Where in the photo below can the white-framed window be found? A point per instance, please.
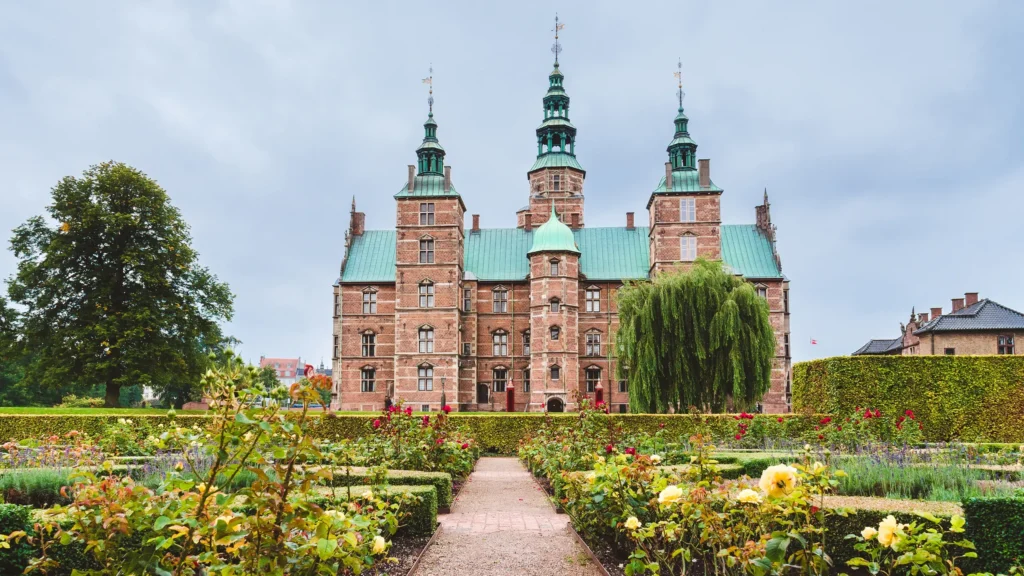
(426, 339)
(425, 380)
(556, 372)
(592, 376)
(369, 302)
(500, 342)
(593, 347)
(687, 209)
(526, 342)
(1004, 344)
(427, 295)
(555, 332)
(467, 299)
(526, 380)
(426, 213)
(369, 344)
(688, 248)
(427, 251)
(500, 300)
(555, 305)
(554, 267)
(500, 377)
(368, 380)
(593, 299)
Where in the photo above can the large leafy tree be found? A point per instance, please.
(700, 338)
(111, 288)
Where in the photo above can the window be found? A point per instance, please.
(526, 342)
(368, 380)
(622, 408)
(785, 341)
(425, 382)
(424, 407)
(427, 251)
(949, 351)
(500, 379)
(556, 372)
(467, 349)
(593, 344)
(622, 386)
(335, 347)
(500, 341)
(688, 248)
(369, 302)
(500, 303)
(593, 377)
(467, 299)
(426, 295)
(556, 182)
(555, 305)
(526, 380)
(593, 299)
(426, 213)
(554, 267)
(1005, 344)
(369, 345)
(762, 291)
(337, 307)
(555, 332)
(785, 301)
(687, 210)
(426, 340)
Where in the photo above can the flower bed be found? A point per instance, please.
(421, 510)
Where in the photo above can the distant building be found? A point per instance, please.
(289, 370)
(973, 327)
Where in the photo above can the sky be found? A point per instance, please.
(887, 134)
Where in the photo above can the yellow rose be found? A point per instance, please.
(368, 495)
(670, 494)
(778, 480)
(379, 545)
(890, 532)
(868, 533)
(632, 523)
(655, 458)
(748, 496)
(817, 467)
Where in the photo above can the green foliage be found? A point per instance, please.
(921, 546)
(113, 292)
(358, 475)
(39, 488)
(13, 517)
(966, 398)
(418, 504)
(916, 480)
(700, 338)
(996, 526)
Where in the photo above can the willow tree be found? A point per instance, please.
(698, 338)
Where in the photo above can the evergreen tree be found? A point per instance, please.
(700, 338)
(111, 288)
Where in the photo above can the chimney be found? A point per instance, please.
(574, 218)
(476, 222)
(528, 221)
(958, 303)
(358, 223)
(447, 178)
(704, 173)
(412, 177)
(668, 176)
(629, 221)
(922, 317)
(970, 298)
(936, 312)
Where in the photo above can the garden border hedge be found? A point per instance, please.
(423, 521)
(996, 526)
(441, 481)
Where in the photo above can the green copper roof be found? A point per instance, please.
(553, 236)
(614, 253)
(686, 180)
(555, 122)
(498, 254)
(681, 139)
(748, 251)
(427, 185)
(371, 258)
(556, 160)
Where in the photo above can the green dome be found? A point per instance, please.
(553, 236)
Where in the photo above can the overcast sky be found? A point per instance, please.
(888, 134)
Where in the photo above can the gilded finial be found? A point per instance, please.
(429, 81)
(679, 77)
(557, 47)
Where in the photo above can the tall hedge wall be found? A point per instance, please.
(496, 432)
(968, 398)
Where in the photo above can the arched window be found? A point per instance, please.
(556, 372)
(554, 267)
(500, 300)
(555, 305)
(500, 378)
(369, 301)
(426, 339)
(369, 344)
(555, 332)
(368, 379)
(500, 341)
(426, 250)
(593, 298)
(425, 380)
(593, 377)
(526, 342)
(426, 294)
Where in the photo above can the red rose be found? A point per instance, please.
(817, 427)
(920, 426)
(408, 411)
(631, 451)
(780, 419)
(839, 428)
(826, 420)
(446, 408)
(608, 449)
(661, 424)
(392, 408)
(814, 509)
(426, 421)
(376, 424)
(910, 414)
(878, 413)
(465, 445)
(820, 437)
(739, 436)
(440, 440)
(867, 412)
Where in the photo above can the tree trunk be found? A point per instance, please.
(112, 399)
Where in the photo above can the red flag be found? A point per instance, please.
(813, 341)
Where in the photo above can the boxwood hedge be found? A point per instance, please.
(996, 526)
(441, 481)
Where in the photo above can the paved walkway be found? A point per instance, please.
(501, 524)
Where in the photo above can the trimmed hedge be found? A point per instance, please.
(726, 471)
(441, 481)
(967, 398)
(996, 526)
(423, 520)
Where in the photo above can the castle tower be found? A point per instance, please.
(685, 208)
(554, 316)
(429, 261)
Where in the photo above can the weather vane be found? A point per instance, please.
(679, 77)
(557, 47)
(429, 80)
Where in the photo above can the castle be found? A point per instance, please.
(433, 310)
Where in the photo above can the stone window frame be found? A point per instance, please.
(425, 291)
(369, 300)
(499, 300)
(687, 209)
(368, 341)
(499, 342)
(336, 347)
(467, 299)
(555, 267)
(426, 249)
(592, 296)
(592, 348)
(367, 379)
(526, 379)
(425, 335)
(556, 181)
(555, 305)
(526, 341)
(762, 290)
(1005, 344)
(495, 380)
(555, 332)
(555, 371)
(686, 241)
(591, 379)
(426, 213)
(337, 305)
(425, 377)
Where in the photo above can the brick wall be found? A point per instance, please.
(667, 230)
(968, 343)
(568, 199)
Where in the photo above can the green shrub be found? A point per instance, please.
(13, 517)
(39, 488)
(441, 481)
(996, 526)
(969, 398)
(840, 549)
(423, 509)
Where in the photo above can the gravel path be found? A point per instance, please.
(502, 524)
